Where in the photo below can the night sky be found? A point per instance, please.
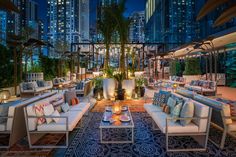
(131, 6)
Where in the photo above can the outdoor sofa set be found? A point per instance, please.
(34, 88)
(60, 81)
(223, 117)
(176, 115)
(203, 87)
(180, 81)
(50, 113)
(12, 123)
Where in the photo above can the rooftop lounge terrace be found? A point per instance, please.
(118, 98)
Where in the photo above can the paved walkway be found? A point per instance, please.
(227, 93)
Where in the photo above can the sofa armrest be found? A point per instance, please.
(177, 118)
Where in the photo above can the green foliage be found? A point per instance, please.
(6, 67)
(140, 81)
(192, 66)
(119, 77)
(109, 72)
(35, 69)
(50, 67)
(98, 82)
(231, 69)
(175, 68)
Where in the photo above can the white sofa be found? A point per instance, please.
(180, 81)
(199, 88)
(61, 81)
(221, 80)
(199, 126)
(67, 121)
(32, 88)
(13, 118)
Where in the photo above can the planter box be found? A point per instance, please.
(189, 78)
(109, 88)
(129, 86)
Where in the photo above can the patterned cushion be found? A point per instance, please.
(40, 112)
(4, 112)
(164, 97)
(74, 101)
(206, 85)
(156, 98)
(187, 111)
(175, 113)
(201, 83)
(192, 82)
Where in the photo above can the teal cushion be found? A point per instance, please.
(175, 113)
(164, 95)
(171, 103)
(187, 112)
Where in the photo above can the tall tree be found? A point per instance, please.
(106, 27)
(122, 27)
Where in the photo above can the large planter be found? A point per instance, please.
(140, 91)
(129, 86)
(108, 88)
(189, 78)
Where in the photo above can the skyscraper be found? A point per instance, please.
(68, 22)
(84, 20)
(170, 21)
(136, 28)
(63, 22)
(3, 27)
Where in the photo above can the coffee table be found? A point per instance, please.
(117, 125)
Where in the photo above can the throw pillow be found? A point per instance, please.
(39, 112)
(48, 110)
(187, 112)
(4, 112)
(171, 103)
(175, 113)
(74, 101)
(69, 95)
(56, 113)
(233, 109)
(166, 109)
(156, 98)
(65, 107)
(164, 95)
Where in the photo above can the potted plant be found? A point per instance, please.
(140, 86)
(98, 89)
(119, 77)
(109, 84)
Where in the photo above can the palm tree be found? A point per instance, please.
(106, 27)
(122, 27)
(61, 47)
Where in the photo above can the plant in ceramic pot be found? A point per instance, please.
(119, 77)
(98, 87)
(139, 82)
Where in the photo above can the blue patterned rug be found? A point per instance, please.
(85, 142)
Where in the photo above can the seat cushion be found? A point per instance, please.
(173, 127)
(73, 119)
(150, 108)
(83, 106)
(232, 126)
